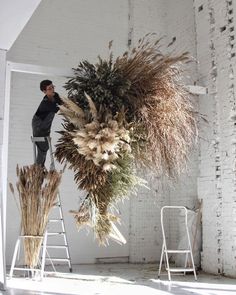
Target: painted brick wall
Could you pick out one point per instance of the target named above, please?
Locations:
(181, 37)
(215, 27)
(175, 23)
(2, 90)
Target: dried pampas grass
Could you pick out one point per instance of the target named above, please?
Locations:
(37, 190)
(98, 147)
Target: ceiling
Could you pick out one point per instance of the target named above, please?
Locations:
(13, 17)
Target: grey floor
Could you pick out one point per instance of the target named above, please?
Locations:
(119, 279)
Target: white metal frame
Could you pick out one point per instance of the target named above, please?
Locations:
(17, 252)
(165, 251)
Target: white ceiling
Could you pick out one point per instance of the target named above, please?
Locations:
(14, 14)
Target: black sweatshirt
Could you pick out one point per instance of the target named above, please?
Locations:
(46, 106)
(42, 119)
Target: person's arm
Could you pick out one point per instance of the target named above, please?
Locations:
(58, 101)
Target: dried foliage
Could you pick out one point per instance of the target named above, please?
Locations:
(166, 122)
(104, 83)
(37, 190)
(97, 146)
(132, 109)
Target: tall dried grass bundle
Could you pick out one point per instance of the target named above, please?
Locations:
(37, 190)
(166, 122)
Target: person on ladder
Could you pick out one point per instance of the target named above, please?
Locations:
(42, 119)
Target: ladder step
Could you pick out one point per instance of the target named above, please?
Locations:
(38, 139)
(176, 269)
(58, 259)
(57, 246)
(177, 251)
(55, 220)
(56, 233)
(24, 268)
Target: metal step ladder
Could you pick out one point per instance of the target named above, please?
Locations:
(58, 221)
(189, 262)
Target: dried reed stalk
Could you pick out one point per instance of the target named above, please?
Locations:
(37, 190)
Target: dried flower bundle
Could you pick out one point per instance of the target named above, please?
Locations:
(97, 146)
(37, 190)
(131, 110)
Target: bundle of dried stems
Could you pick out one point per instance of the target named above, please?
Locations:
(37, 190)
(166, 125)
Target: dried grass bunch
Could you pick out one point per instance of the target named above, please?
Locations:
(162, 109)
(97, 146)
(131, 110)
(37, 191)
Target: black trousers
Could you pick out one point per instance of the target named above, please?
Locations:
(41, 128)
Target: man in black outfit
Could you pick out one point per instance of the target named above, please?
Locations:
(42, 119)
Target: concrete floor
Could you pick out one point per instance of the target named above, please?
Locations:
(119, 279)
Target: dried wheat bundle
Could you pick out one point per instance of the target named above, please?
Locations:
(37, 190)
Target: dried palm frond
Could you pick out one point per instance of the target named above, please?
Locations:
(37, 190)
(102, 82)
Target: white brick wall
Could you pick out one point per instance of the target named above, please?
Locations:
(215, 25)
(181, 34)
(145, 232)
(2, 90)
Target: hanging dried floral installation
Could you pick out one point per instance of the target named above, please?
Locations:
(120, 114)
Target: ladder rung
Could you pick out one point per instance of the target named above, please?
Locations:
(177, 251)
(57, 246)
(176, 269)
(57, 259)
(56, 233)
(22, 268)
(55, 220)
(38, 139)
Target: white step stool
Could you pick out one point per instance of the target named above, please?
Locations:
(165, 251)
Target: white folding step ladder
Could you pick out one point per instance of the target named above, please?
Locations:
(165, 252)
(59, 220)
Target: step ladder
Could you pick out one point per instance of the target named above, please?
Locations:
(189, 262)
(59, 221)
